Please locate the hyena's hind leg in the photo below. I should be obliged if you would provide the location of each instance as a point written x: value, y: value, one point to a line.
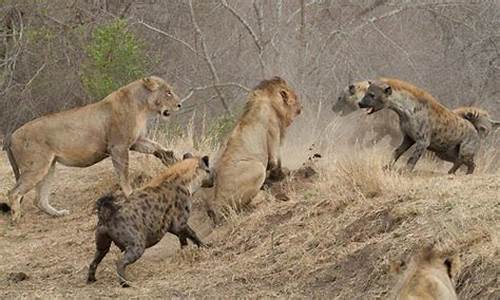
x: 102, y: 243
x: 132, y: 253
x: 467, y: 151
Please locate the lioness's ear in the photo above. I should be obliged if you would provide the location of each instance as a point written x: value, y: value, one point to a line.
x: 205, y: 161
x: 187, y: 155
x: 284, y: 95
x: 388, y: 90
x: 396, y: 266
x: 150, y: 83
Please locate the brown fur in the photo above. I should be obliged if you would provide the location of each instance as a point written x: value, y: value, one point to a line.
x: 83, y: 136
x: 428, y: 276
x: 424, y: 122
x: 141, y: 221
x: 254, y: 146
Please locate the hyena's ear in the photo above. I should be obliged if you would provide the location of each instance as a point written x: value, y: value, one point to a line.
x: 205, y: 161
x: 150, y: 83
x: 187, y: 155
x: 388, y: 90
x: 471, y: 115
x: 284, y: 96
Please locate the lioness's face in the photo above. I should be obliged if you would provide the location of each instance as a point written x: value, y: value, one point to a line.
x: 349, y: 98
x: 162, y: 99
x: 376, y: 97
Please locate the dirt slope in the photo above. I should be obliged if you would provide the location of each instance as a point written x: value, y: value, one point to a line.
x: 334, y: 238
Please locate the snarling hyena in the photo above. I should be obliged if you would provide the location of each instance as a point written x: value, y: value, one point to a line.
x: 141, y: 220
x: 424, y: 122
x: 383, y: 124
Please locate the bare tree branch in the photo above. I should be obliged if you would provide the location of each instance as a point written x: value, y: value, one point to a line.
x: 249, y: 29
x: 225, y: 84
x: 208, y: 60
x: 170, y: 36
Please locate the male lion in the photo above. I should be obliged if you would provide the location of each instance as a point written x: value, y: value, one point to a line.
x: 424, y: 122
x: 428, y: 276
x: 254, y: 145
x: 83, y: 136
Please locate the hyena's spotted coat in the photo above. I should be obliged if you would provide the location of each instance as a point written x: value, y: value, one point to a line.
x: 141, y: 220
x: 425, y: 123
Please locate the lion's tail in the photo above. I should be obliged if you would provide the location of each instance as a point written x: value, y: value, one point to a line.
x: 4, y: 207
x: 106, y: 207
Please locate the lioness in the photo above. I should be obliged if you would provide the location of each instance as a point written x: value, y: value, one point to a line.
x: 83, y: 136
x: 254, y: 145
x: 424, y: 122
x: 428, y: 276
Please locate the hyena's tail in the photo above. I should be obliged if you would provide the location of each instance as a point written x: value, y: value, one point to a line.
x: 106, y: 207
x: 4, y: 207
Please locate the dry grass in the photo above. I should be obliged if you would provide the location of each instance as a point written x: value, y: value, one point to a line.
x: 333, y: 238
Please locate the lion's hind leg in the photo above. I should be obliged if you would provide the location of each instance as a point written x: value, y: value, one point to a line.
x: 43, y: 191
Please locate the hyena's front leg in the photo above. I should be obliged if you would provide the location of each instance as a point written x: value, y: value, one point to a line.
x: 419, y: 151
x: 405, y: 145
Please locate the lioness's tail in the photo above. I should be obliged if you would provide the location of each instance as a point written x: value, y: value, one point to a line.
x: 10, y: 155
x: 106, y: 207
x: 4, y: 207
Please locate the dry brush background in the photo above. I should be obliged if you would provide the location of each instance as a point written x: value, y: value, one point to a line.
x: 336, y: 235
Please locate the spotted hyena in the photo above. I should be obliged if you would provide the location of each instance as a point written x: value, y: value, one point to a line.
x: 425, y: 123
x: 141, y: 220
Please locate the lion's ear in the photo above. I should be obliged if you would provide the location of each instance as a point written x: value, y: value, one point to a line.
x: 284, y: 95
x: 150, y: 83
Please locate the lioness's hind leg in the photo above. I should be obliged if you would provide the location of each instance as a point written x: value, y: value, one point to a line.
x: 27, y: 181
x: 43, y: 191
